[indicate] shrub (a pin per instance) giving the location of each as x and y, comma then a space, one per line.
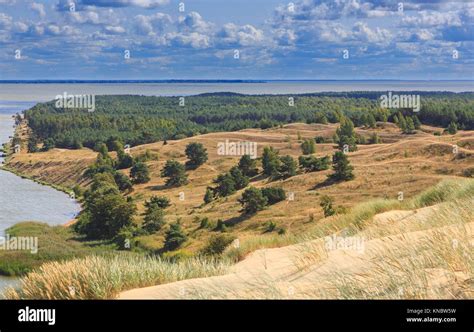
314, 164
253, 200
248, 166
217, 244
175, 172
154, 219
308, 146
274, 195
174, 237
197, 155
326, 204
140, 173
161, 202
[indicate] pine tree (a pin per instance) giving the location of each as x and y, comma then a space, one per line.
270, 161
416, 122
308, 146
342, 168
345, 134
175, 172
208, 196
452, 128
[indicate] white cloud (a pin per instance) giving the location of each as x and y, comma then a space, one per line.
243, 35
148, 25
38, 8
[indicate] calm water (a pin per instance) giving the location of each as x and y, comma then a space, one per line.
45, 92
25, 200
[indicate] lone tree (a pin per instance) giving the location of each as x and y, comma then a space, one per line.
175, 172
253, 200
140, 173
174, 237
342, 168
326, 204
452, 128
308, 146
248, 166
345, 134
197, 155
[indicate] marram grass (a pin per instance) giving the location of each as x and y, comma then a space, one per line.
103, 277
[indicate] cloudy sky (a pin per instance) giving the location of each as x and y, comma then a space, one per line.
236, 39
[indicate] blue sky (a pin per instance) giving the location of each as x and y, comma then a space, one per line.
300, 39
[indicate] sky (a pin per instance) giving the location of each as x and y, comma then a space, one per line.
236, 39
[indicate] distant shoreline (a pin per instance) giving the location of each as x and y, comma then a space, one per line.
204, 81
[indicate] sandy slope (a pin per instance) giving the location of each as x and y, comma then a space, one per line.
309, 270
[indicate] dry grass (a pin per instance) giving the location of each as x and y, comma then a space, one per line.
102, 277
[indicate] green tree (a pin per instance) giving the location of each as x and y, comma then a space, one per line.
308, 146
287, 167
241, 181
371, 123
326, 204
161, 202
345, 134
410, 126
225, 185
123, 182
197, 155
342, 168
274, 195
208, 196
374, 139
124, 160
175, 172
248, 166
313, 164
154, 219
270, 161
416, 122
140, 173
320, 118
253, 200
174, 237
452, 128
106, 211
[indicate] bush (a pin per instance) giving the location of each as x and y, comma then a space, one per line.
140, 173
274, 195
175, 172
326, 204
161, 202
217, 244
314, 164
174, 237
308, 146
253, 200
197, 155
154, 219
122, 181
248, 166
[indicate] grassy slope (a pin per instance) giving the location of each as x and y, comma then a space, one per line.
54, 243
403, 163
407, 254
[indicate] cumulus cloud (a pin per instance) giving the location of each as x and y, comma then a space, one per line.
241, 35
148, 25
125, 3
194, 22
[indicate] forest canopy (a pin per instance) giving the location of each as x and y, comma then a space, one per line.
138, 120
